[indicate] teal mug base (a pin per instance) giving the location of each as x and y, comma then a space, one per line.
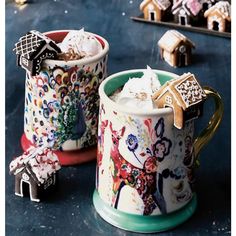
143, 224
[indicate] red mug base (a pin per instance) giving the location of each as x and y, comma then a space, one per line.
67, 158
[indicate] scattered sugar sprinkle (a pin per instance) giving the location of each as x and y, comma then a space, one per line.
42, 226
72, 214
85, 222
15, 12
213, 223
123, 13
66, 11
130, 1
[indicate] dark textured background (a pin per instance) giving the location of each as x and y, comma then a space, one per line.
132, 45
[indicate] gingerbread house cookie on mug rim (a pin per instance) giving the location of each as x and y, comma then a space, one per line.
184, 95
32, 49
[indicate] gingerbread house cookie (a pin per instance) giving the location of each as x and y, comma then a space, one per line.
32, 48
35, 172
175, 48
156, 10
186, 12
184, 95
219, 17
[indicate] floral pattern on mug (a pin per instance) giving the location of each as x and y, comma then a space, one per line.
142, 179
151, 180
62, 103
132, 142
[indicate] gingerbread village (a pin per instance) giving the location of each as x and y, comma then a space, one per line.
209, 16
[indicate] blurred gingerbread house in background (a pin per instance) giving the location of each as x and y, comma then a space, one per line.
156, 10
186, 12
219, 17
184, 95
175, 48
199, 15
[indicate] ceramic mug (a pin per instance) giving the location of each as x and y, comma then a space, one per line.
62, 102
145, 179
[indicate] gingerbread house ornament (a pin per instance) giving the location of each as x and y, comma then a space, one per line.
32, 49
186, 12
219, 17
184, 95
156, 10
175, 48
35, 172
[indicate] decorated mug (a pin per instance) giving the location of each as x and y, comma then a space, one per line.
62, 102
145, 165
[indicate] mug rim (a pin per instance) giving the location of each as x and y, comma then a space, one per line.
126, 109
82, 61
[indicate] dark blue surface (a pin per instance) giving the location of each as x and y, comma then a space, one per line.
132, 45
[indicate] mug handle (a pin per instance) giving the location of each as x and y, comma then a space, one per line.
213, 124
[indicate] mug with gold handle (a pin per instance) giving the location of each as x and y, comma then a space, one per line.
206, 134
136, 145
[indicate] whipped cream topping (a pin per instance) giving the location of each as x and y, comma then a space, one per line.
79, 42
137, 92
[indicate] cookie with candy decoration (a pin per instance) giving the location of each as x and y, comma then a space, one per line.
36, 169
32, 49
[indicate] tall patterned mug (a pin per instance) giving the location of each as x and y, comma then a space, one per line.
62, 102
144, 164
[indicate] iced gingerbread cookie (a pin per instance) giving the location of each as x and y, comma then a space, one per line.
36, 170
175, 48
32, 49
219, 17
185, 95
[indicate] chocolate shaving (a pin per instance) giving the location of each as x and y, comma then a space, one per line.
142, 96
70, 55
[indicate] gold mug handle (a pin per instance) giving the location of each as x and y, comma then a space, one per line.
213, 124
